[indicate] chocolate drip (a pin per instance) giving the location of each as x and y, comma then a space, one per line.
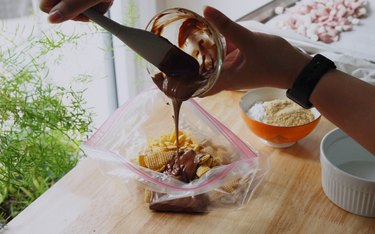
184, 167
179, 88
176, 108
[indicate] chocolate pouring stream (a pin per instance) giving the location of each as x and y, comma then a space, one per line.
183, 165
181, 89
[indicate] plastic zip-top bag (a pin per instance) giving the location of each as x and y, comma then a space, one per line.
137, 144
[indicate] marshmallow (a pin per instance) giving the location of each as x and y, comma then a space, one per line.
323, 19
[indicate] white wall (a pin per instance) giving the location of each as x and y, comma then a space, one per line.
232, 8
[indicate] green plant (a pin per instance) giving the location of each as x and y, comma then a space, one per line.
131, 16
41, 124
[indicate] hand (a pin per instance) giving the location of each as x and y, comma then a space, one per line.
62, 10
254, 59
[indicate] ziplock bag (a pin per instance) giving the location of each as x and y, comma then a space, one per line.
124, 136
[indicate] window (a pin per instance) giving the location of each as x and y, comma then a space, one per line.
130, 69
89, 58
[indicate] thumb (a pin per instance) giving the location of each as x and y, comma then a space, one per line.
237, 34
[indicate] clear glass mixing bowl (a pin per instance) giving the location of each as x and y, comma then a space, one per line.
195, 36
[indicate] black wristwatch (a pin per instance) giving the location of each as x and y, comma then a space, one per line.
306, 81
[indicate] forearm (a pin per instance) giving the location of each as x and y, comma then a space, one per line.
349, 103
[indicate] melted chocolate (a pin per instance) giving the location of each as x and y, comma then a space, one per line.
176, 108
184, 167
195, 204
180, 86
195, 33
188, 28
179, 65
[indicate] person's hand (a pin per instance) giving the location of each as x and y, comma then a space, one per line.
62, 10
254, 59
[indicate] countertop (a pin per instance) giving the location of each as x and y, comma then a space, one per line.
289, 200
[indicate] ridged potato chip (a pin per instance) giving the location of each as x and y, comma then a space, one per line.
202, 170
141, 160
156, 160
147, 196
204, 158
230, 187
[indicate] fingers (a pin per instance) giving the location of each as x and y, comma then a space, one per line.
234, 32
230, 46
101, 8
62, 10
47, 5
232, 63
69, 9
81, 18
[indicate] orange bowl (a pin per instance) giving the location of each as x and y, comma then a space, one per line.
275, 136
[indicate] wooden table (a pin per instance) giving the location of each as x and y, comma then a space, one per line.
290, 199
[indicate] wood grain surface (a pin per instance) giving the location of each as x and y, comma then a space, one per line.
289, 200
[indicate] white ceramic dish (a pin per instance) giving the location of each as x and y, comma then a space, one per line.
348, 173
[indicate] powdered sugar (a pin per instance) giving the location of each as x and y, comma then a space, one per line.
280, 112
256, 112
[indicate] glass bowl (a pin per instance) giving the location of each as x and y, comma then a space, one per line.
195, 36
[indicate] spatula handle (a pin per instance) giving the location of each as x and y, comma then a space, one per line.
108, 24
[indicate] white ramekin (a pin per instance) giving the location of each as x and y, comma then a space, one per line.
348, 173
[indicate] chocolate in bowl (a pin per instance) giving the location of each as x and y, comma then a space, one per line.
195, 36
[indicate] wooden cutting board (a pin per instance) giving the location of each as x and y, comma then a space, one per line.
289, 200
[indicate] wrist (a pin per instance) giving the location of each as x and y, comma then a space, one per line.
298, 67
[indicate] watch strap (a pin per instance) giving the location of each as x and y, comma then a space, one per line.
306, 81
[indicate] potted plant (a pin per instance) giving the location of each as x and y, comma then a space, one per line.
41, 124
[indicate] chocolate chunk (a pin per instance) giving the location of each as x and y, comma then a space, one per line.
183, 169
194, 204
